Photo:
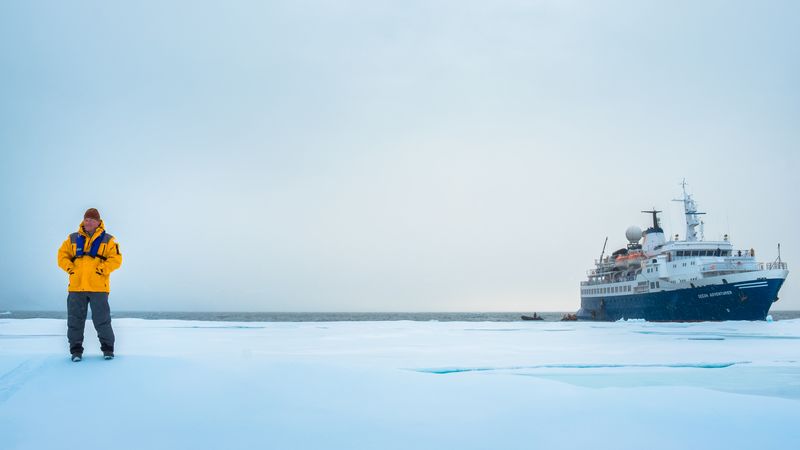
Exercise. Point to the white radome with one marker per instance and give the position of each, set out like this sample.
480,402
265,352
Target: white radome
633,233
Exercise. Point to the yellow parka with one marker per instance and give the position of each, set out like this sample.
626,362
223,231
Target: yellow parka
88,274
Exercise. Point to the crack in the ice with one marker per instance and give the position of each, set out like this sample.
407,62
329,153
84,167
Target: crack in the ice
724,335
492,329
237,327
20,336
447,370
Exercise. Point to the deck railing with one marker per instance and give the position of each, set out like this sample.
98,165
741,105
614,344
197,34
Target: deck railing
773,265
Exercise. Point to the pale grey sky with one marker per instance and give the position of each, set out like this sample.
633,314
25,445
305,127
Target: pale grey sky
387,156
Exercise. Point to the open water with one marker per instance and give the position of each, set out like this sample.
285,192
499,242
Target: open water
326,316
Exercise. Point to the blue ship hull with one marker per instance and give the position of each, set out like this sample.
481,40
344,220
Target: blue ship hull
735,301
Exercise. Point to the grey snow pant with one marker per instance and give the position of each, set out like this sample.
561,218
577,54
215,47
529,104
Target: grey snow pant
77,305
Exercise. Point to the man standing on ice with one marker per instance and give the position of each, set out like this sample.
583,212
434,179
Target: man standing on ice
89,256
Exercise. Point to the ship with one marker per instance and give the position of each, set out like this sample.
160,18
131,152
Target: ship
675,280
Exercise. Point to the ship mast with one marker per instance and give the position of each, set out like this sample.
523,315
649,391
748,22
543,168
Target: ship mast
692,215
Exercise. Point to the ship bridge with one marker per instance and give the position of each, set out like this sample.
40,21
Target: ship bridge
682,249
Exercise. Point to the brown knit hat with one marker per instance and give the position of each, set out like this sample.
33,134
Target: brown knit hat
92,213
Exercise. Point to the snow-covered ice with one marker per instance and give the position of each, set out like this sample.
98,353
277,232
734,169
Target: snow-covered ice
409,385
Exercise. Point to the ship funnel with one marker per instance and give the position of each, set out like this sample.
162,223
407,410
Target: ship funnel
653,236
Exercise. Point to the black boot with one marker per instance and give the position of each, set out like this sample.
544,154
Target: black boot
77,351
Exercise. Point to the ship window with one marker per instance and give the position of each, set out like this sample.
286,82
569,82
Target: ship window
679,253
657,284
652,285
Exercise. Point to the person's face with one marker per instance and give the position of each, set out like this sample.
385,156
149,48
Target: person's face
90,224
